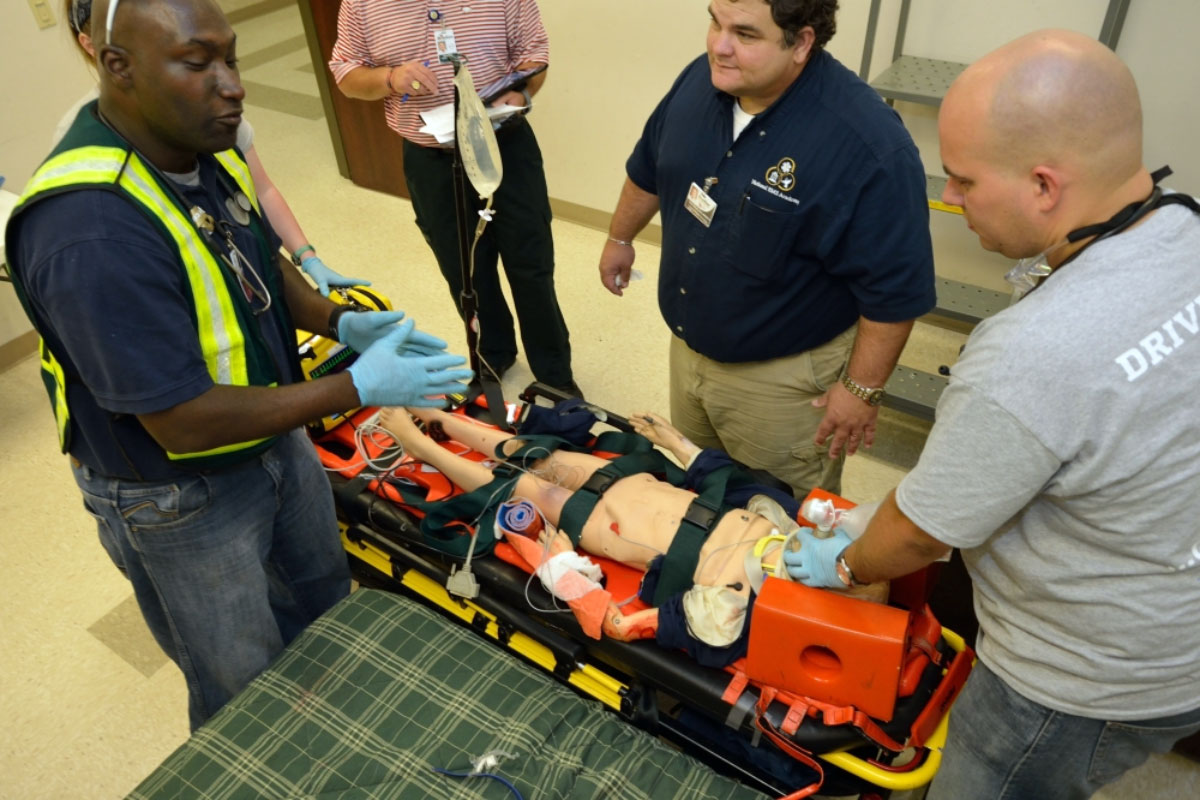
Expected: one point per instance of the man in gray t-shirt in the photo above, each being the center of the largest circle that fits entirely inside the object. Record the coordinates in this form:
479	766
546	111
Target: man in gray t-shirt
1065	460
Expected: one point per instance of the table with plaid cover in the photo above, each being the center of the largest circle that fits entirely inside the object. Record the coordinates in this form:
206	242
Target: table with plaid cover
381	690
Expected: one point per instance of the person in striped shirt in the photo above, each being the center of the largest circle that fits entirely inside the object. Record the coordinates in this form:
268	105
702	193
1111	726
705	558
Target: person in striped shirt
390	52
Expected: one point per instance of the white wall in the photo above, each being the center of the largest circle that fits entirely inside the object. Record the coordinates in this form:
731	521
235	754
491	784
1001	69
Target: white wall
40	77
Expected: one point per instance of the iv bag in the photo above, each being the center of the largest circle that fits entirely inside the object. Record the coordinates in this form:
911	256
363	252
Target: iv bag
476	138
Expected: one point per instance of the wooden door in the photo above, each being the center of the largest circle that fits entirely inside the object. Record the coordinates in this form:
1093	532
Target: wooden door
368	151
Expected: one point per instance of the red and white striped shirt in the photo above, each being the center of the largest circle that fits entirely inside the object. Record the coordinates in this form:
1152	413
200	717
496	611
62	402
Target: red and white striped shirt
494	35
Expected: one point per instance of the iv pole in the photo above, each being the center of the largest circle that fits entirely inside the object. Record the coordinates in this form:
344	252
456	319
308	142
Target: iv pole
485	381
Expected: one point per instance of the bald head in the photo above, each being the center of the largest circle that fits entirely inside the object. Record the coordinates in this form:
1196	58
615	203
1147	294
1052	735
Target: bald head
135	19
1058	98
1042	137
168	77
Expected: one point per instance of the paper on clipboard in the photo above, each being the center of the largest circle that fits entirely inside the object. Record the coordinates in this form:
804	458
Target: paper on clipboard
439	122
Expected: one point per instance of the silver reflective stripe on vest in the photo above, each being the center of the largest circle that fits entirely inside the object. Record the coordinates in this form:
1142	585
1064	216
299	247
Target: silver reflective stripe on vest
221	338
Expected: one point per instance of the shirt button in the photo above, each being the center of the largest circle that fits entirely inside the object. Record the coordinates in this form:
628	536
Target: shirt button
679	328
682	290
691	251
762	133
729	154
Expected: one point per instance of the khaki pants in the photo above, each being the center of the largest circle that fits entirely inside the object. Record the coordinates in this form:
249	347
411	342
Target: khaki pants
761	412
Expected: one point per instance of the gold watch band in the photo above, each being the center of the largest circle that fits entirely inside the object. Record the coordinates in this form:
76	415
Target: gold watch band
872	396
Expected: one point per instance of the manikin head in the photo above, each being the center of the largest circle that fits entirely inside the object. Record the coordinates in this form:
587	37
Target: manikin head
757	48
168	77
1040	137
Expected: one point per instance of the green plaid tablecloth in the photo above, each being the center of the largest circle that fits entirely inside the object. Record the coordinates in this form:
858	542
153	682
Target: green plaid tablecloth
381	690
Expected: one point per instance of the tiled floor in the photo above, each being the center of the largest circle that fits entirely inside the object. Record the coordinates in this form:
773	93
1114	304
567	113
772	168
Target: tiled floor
89	703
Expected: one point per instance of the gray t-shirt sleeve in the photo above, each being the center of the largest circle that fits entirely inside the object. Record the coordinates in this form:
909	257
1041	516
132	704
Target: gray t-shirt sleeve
979	468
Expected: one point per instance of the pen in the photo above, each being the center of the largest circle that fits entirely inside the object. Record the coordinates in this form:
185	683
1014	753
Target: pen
404	97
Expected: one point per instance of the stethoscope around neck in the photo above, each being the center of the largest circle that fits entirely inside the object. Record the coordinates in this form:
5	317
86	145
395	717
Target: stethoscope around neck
1130	214
1029	272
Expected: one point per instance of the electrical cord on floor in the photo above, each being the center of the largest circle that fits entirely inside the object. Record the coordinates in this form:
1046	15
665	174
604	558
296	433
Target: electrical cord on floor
492	775
488	761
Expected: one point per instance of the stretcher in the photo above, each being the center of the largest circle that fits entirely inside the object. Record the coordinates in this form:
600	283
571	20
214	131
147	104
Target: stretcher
789	719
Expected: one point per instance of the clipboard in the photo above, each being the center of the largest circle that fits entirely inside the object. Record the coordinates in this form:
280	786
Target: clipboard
512	82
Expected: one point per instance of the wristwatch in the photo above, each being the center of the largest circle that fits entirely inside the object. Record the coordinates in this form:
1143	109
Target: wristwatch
871	397
335	316
844	573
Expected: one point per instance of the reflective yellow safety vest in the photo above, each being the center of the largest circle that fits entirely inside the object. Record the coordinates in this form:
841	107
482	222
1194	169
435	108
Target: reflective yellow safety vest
92	157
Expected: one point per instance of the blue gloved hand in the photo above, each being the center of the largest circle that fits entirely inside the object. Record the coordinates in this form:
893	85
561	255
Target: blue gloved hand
815	563
325	277
363	328
385	376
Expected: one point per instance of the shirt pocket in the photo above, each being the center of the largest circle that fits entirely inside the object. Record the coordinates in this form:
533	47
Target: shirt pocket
762	239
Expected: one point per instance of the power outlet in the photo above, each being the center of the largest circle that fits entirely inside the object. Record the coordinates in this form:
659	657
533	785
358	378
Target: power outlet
43	13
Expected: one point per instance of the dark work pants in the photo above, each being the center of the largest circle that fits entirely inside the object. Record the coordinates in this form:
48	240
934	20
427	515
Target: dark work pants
519	235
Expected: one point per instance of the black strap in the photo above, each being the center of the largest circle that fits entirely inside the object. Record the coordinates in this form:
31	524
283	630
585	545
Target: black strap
578	507
679	565
1133	212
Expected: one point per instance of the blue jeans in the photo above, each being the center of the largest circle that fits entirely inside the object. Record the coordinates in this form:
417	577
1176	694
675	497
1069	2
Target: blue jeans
1004	746
227	566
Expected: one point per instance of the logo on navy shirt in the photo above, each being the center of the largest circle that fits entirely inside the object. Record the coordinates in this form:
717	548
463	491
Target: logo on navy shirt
782	176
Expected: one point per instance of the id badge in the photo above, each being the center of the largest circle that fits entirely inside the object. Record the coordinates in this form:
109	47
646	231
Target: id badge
700	205
444	40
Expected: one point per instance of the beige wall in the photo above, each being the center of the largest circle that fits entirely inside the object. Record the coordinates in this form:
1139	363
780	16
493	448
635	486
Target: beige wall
41	77
612	61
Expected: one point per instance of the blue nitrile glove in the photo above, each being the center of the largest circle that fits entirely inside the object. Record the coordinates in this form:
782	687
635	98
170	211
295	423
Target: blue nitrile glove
362	328
815	563
385	376
325	277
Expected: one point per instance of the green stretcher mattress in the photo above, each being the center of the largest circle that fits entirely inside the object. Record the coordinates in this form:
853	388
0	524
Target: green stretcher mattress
381	691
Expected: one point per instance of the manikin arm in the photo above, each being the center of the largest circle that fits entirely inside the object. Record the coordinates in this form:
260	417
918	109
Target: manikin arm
662	433
630	627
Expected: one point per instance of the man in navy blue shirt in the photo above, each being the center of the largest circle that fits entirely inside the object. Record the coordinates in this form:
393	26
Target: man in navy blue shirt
796	249
167	320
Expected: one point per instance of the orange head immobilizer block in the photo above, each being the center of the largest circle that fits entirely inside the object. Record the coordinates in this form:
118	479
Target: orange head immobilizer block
827	646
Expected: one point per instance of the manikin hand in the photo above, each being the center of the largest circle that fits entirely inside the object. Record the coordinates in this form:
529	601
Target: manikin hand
660	432
815	563
616	264
315	268
850	420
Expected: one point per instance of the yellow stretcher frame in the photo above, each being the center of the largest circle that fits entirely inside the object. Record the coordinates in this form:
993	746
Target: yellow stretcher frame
938	205
608	690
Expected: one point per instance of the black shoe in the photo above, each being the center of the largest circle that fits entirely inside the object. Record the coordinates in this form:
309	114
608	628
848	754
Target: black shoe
569	389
